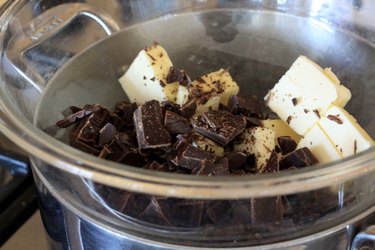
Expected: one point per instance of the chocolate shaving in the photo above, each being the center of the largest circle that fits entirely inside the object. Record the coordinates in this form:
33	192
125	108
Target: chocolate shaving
355	146
152	58
317	113
306	111
335	119
294	101
288	120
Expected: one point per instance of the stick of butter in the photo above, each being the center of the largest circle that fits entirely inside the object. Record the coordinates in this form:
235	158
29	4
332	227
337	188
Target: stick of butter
145	79
304	94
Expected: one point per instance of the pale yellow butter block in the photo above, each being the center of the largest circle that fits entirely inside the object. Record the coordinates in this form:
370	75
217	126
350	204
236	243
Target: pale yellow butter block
145	79
218	83
320	145
345	132
259	141
281	129
300	116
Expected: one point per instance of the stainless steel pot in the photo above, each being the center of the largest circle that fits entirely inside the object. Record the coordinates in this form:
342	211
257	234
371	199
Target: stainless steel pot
57	54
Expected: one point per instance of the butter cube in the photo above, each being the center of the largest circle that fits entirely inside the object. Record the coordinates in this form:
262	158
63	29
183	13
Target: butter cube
305	93
320	145
281	129
207	145
345	132
259	141
218	83
145	79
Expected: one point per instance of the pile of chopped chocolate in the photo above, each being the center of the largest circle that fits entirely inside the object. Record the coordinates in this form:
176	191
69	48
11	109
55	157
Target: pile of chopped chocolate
166	137
169	138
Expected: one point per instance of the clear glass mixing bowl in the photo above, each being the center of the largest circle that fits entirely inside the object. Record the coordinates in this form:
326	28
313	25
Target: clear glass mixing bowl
61	53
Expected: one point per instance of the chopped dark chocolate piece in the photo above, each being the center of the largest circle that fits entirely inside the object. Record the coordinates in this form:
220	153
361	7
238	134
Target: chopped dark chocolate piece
355	147
189	108
287	144
222	167
300	158
206	167
175	75
77	115
119	150
218	211
168	105
249	106
176	124
210	168
266	210
84	147
272	165
148	122
237	160
106	134
191	157
219	126
156	166
335	119
253	122
154	214
125	111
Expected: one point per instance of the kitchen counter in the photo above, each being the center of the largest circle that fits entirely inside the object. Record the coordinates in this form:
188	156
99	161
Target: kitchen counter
30	236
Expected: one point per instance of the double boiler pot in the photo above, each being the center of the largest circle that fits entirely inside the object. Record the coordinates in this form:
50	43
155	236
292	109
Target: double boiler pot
56	54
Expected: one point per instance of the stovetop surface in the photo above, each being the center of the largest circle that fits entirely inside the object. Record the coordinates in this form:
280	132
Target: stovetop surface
17	190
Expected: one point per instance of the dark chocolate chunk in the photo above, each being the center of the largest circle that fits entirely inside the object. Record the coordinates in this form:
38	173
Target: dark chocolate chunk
154	214
249	106
253	122
168	105
222	167
77	115
156	166
266	210
220	126
125	111
287	144
272	165
206	167
191	157
300	158
237	160
176	124
189	108
84	147
175	75
120	150
335	119
106	134
148	122
355	147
